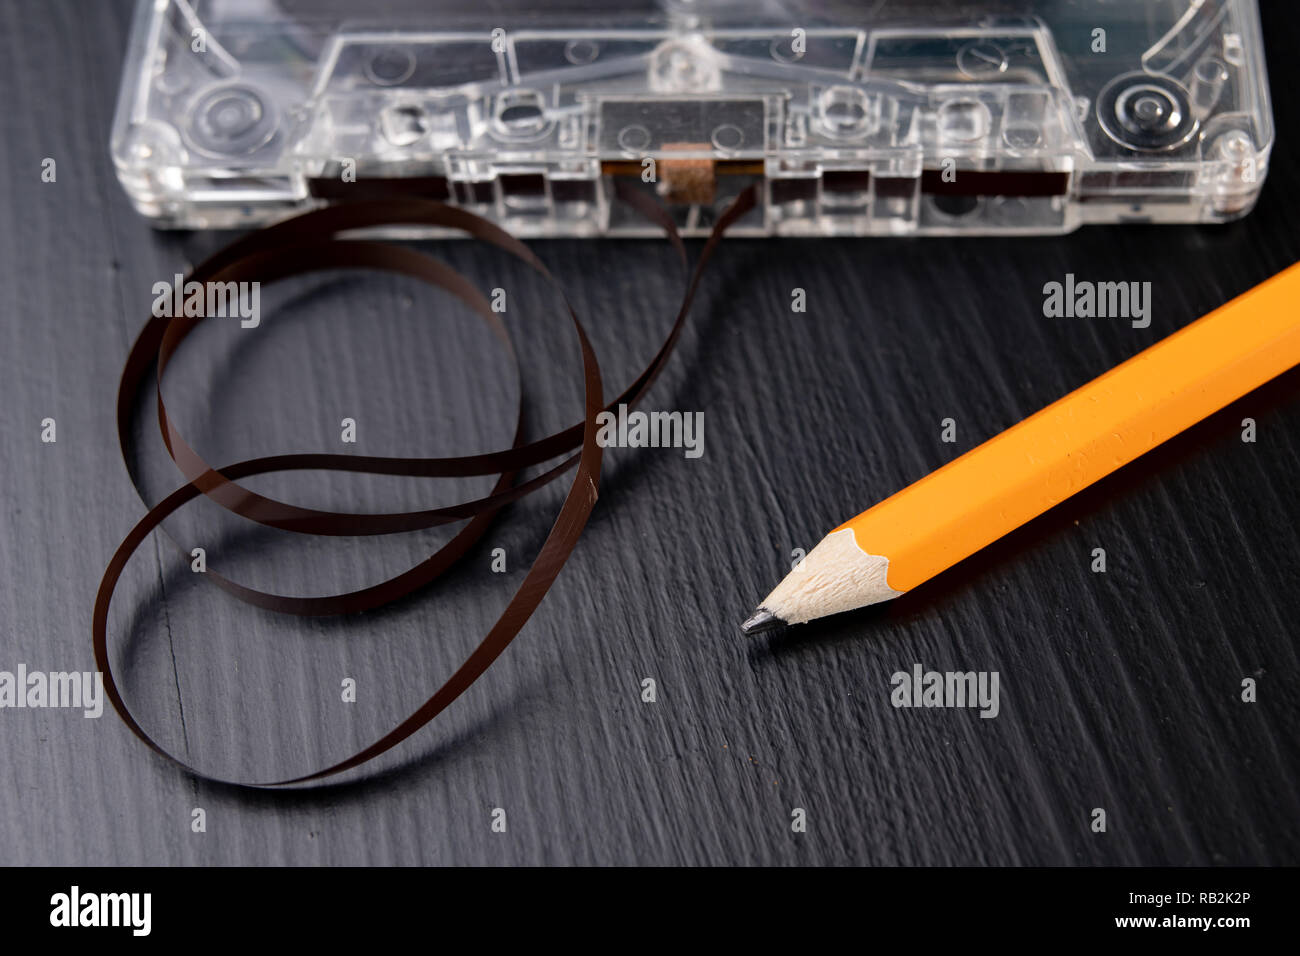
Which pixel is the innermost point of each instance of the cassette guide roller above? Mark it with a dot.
(865, 118)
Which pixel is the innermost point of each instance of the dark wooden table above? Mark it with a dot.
(1119, 690)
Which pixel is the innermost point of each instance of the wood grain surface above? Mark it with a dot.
(1118, 690)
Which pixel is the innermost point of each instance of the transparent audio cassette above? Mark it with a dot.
(857, 118)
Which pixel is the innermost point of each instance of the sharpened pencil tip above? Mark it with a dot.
(762, 620)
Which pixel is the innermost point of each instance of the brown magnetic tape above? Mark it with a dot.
(312, 243)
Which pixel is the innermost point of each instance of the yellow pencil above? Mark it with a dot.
(995, 488)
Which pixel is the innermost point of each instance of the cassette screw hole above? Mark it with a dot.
(1236, 145)
(728, 138)
(1236, 148)
(633, 138)
(981, 59)
(581, 52)
(391, 66)
(685, 65)
(682, 68)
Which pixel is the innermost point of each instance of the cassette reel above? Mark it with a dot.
(858, 118)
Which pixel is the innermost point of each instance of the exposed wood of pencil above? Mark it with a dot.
(995, 488)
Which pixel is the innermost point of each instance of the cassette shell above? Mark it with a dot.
(892, 118)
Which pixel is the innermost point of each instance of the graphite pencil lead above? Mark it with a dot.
(761, 620)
